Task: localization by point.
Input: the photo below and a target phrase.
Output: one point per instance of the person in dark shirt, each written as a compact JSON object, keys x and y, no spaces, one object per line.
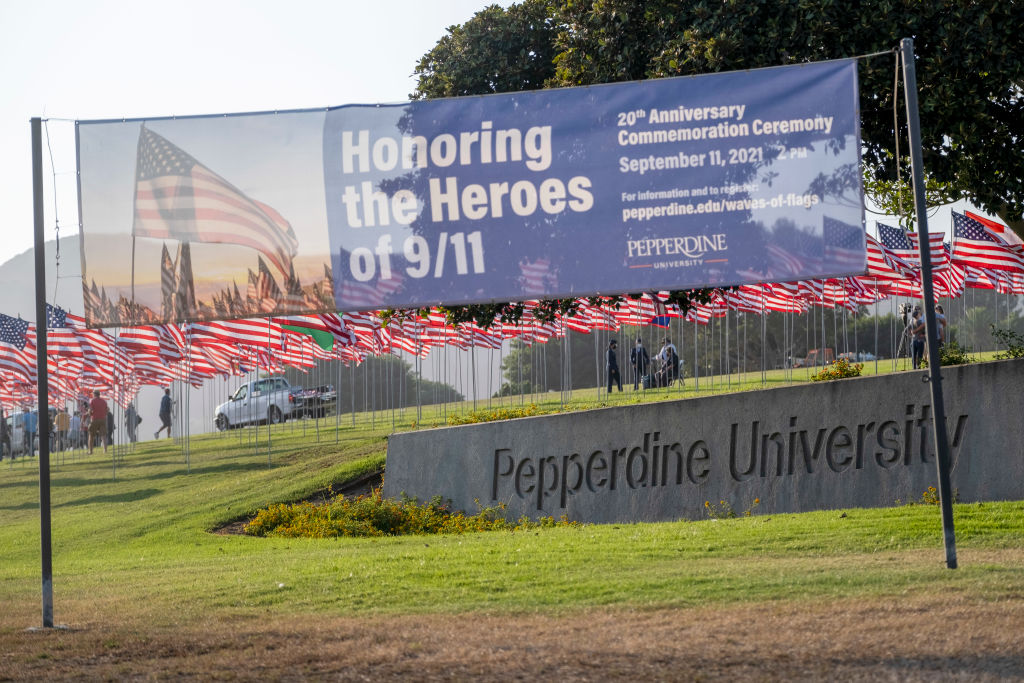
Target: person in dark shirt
{"x":917,"y":337}
{"x":165,"y":414}
{"x":5,"y":437}
{"x":612,"y":366}
{"x":641,"y":361}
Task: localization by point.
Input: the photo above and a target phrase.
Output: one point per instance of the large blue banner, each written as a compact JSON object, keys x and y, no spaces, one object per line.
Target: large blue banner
{"x":667,"y":184}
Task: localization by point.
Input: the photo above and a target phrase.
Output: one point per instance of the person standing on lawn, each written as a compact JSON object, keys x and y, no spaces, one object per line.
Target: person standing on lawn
{"x":165,"y":415}
{"x":98,"y":411}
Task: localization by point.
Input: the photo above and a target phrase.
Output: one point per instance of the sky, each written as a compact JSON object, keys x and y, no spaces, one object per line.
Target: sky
{"x":69,"y":60}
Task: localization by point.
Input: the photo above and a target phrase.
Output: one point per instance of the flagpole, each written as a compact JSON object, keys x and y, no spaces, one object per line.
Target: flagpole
{"x":41,"y":382}
{"x":135,"y":197}
{"x":924,"y":249}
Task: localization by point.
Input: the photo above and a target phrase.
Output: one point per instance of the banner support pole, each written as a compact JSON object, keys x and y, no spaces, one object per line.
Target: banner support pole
{"x":934,"y":377}
{"x":43,"y":421}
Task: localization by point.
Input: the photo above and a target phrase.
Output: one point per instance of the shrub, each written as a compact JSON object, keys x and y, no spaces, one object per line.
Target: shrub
{"x":374,"y":515}
{"x":1011,"y":340}
{"x":495,"y":415}
{"x":839,"y":369}
{"x":724,"y":509}
{"x":951,"y":354}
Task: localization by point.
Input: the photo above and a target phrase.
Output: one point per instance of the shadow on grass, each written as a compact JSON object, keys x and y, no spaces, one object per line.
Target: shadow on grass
{"x":205,"y":469}
{"x":126,"y":497}
{"x":124,"y":470}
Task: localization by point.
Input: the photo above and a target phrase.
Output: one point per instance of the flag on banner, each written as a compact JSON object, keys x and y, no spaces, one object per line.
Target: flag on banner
{"x":176,"y":197}
{"x":267,"y":290}
{"x":974,"y":245}
{"x":537,"y":276}
{"x":168,"y":280}
{"x":844,"y":244}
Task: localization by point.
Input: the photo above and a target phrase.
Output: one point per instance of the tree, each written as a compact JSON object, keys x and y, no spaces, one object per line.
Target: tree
{"x":498,"y":50}
{"x":970,"y":72}
{"x":970,"y":75}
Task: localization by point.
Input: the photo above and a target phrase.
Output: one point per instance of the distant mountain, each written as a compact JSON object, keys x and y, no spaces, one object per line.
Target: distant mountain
{"x":18,"y":280}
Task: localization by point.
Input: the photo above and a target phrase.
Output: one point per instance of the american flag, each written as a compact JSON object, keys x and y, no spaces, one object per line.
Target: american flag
{"x":974,"y":245}
{"x":896,"y":241}
{"x":143,"y":340}
{"x":176,"y":197}
{"x":844,"y":247}
{"x":14,"y":359}
{"x":780,"y":297}
{"x":882,"y":263}
{"x":13,"y":331}
{"x":936,"y":250}
{"x":257,"y":332}
{"x":746,"y":299}
{"x":999,"y":230}
{"x":56,"y":317}
{"x":699,"y":313}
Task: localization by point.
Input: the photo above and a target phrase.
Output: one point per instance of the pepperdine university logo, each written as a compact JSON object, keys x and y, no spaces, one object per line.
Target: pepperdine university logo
{"x":690,"y":247}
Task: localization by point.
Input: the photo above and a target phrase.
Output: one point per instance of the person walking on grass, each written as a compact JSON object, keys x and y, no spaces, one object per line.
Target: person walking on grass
{"x":131,"y":422}
{"x":98,"y":411}
{"x":62,"y":422}
{"x":165,"y":415}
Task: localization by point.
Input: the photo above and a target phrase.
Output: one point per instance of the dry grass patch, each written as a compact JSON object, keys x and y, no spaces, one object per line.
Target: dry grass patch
{"x":916,"y":638}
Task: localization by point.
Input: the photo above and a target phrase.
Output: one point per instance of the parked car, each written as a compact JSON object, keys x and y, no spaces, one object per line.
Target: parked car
{"x":314,"y":402}
{"x":261,"y":400}
{"x":815,"y":357}
{"x":859,"y":357}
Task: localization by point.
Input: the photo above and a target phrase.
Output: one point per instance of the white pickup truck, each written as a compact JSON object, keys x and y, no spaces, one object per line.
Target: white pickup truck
{"x":261,"y":400}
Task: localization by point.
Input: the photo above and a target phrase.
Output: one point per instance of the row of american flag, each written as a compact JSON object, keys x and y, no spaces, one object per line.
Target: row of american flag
{"x":984,"y":255}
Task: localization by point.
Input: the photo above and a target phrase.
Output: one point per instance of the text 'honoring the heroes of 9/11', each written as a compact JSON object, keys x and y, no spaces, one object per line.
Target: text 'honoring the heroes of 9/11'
{"x":367,"y":207}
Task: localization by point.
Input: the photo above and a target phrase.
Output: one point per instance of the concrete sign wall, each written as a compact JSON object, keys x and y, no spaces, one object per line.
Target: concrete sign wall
{"x":848,"y":443}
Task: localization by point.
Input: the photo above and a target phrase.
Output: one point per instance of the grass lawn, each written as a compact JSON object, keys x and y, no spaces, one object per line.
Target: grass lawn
{"x":142,"y":583}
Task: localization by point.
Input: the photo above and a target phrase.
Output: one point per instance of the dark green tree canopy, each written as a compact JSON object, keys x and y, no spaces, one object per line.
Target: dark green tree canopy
{"x":970,"y":67}
{"x":970,"y":70}
{"x":498,"y":50}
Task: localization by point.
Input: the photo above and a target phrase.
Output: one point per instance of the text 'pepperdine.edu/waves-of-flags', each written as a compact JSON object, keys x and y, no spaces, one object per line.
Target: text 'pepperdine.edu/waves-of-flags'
{"x":984,"y":254}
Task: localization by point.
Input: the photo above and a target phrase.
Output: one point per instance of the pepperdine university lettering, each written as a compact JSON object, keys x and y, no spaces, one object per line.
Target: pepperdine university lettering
{"x":851,"y":443}
{"x":652,"y":460}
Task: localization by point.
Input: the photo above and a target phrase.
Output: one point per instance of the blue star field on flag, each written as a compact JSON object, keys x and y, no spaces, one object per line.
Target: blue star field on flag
{"x":56,"y":316}
{"x":13,"y":330}
{"x":894,"y":238}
